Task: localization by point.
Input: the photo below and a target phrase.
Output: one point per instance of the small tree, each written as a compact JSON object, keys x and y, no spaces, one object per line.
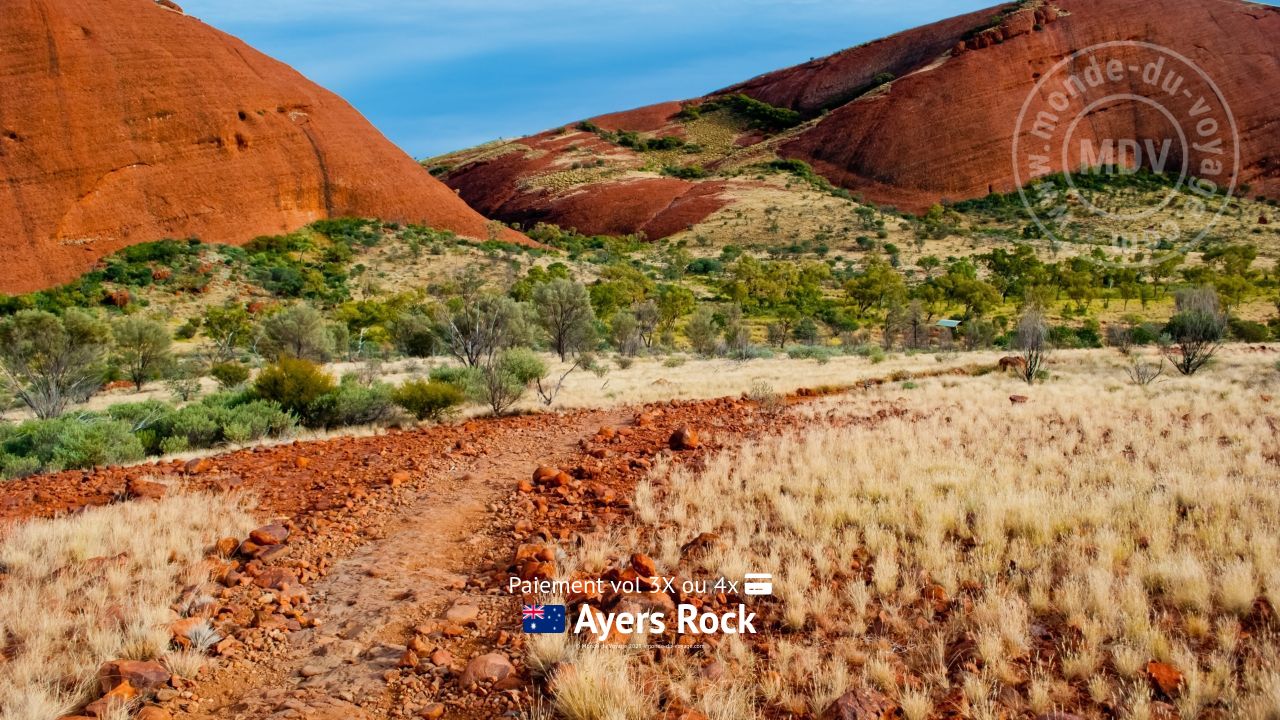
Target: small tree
{"x":1033,"y":340}
{"x":737,"y":336}
{"x":564,"y":313}
{"x":142,"y":349}
{"x":702,"y":331}
{"x":624,"y":334}
{"x":228,"y":329}
{"x":47,"y":362}
{"x":504,"y":381}
{"x":1195,"y":331}
{"x":299,"y":331}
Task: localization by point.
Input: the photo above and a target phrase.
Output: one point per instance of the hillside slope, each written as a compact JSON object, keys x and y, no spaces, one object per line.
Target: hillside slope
{"x":924,"y":116}
{"x":123,"y":121}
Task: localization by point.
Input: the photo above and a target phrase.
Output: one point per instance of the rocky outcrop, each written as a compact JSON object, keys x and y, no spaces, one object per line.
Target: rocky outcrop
{"x":123,"y":121}
{"x":893,"y":148}
{"x":924,"y":116}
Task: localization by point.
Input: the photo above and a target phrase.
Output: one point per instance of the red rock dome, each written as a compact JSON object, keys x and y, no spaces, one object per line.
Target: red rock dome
{"x":125,"y":121}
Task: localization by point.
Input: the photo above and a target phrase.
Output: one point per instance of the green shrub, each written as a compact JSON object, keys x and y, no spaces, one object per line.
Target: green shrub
{"x":18,"y":466}
{"x":69,"y":443}
{"x":463,"y":378}
{"x":812,"y":352}
{"x":685,"y":172}
{"x":761,"y":115}
{"x":294,"y":384}
{"x":353,"y":403}
{"x":229,"y":374}
{"x":1249,"y":331}
{"x":505,"y":381}
{"x":428,"y":399}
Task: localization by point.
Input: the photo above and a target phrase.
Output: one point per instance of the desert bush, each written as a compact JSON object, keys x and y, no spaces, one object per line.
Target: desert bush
{"x":142,"y":348}
{"x":812,"y":352}
{"x":1032,"y":339}
{"x":228,"y":329}
{"x":1120,"y":337}
{"x":1195,"y":331}
{"x":414,"y":334}
{"x":463,"y":378}
{"x":428,"y":399}
{"x":1144,"y":373}
{"x":229,"y":374}
{"x":295,"y":384}
{"x":298,"y":331}
{"x":215,"y":420}
{"x":702,"y":332}
{"x":47,"y":361}
{"x":504,"y":381}
{"x":1249,"y":331}
{"x":183,"y":389}
{"x":353,"y":403}
{"x":70,"y":442}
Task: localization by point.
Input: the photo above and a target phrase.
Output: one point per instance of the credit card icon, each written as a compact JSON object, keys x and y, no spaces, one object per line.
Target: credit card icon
{"x":758,"y":584}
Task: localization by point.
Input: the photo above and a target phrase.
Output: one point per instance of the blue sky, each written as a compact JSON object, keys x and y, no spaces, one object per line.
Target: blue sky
{"x":439,"y":75}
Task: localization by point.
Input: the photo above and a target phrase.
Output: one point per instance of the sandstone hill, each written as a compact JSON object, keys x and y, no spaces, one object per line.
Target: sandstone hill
{"x":123,"y":121}
{"x":924,"y":116}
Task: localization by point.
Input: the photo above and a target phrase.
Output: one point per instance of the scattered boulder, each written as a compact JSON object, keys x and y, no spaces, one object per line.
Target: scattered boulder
{"x":490,"y":667}
{"x":644,"y":565}
{"x":700,"y":544}
{"x":432,"y":712}
{"x":197,"y":466}
{"x":153,"y":712}
{"x":226,"y":547}
{"x":544,"y":474}
{"x":859,"y":704}
{"x":462,"y":614}
{"x":1165,"y":677}
{"x":272,"y":534}
{"x":685,"y":438}
{"x":140,"y":489}
{"x":141,"y":675}
{"x":276,"y":578}
{"x":119,"y":696}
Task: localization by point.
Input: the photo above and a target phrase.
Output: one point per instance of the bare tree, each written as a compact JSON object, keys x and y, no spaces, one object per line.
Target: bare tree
{"x":1143,"y":373}
{"x":548,"y":390}
{"x":1033,"y":341}
{"x":481,"y":329}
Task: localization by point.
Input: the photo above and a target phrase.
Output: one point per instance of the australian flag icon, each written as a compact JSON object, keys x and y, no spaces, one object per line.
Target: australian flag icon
{"x":543,"y":618}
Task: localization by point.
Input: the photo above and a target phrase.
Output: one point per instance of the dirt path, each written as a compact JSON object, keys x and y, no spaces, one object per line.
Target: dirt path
{"x":370,"y":601}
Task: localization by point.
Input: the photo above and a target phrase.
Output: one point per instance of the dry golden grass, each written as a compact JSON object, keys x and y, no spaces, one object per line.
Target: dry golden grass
{"x":97,"y":586}
{"x":1075,"y":538}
